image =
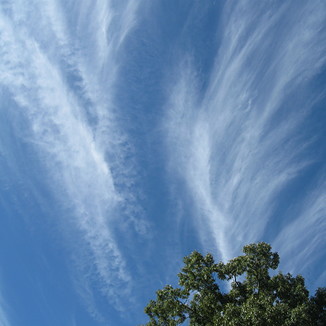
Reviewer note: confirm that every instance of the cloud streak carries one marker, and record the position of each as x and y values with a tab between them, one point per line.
237	146
67	103
4	320
307	248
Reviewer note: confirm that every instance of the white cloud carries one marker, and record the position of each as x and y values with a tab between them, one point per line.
85	161
228	146
300	252
4	315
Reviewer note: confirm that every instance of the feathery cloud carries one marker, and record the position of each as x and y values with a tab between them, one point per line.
227	143
72	125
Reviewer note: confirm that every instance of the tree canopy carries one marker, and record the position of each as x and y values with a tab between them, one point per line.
255	297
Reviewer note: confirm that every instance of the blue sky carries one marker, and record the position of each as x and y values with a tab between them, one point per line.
134	132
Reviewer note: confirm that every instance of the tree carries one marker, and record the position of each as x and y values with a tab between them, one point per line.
255	298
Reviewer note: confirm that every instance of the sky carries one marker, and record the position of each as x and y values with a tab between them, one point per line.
134	132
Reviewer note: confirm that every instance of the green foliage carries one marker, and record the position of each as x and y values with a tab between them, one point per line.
255	297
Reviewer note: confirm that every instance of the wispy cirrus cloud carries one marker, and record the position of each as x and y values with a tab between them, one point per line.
4	321
4	310
238	145
307	248
63	83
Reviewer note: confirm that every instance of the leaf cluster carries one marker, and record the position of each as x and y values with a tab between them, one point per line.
255	298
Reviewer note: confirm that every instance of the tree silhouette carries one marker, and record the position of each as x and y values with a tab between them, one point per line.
255	297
